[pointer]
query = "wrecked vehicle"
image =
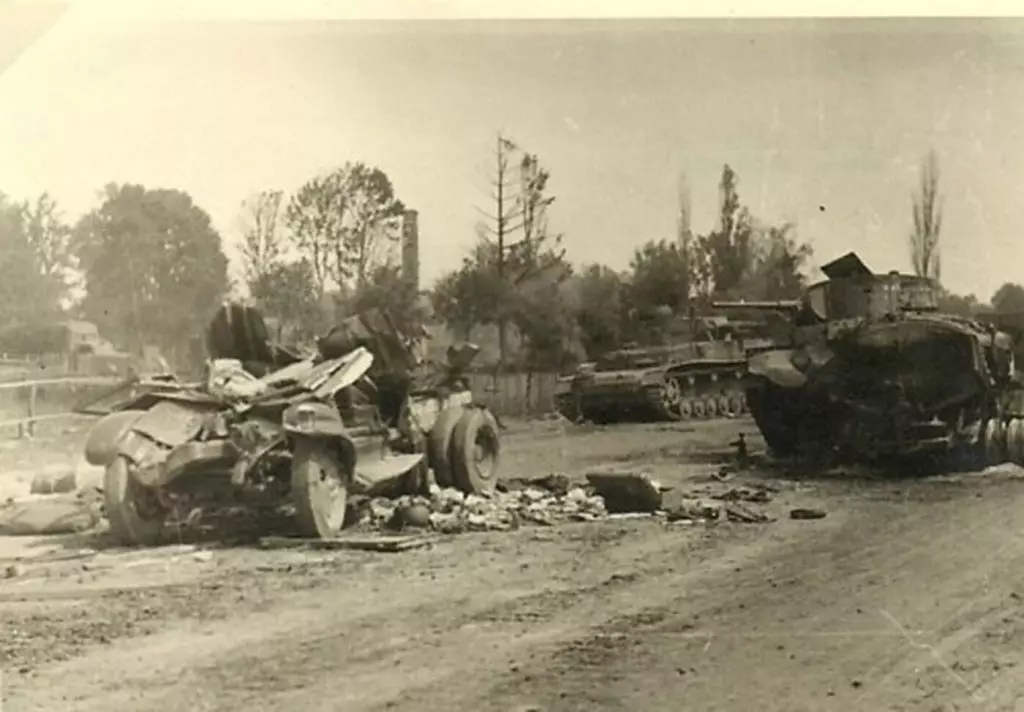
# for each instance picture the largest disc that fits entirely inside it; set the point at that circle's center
(360, 416)
(699, 376)
(868, 368)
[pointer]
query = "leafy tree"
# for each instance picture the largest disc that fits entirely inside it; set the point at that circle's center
(963, 305)
(658, 278)
(927, 215)
(343, 223)
(386, 289)
(34, 260)
(261, 236)
(153, 264)
(731, 248)
(287, 292)
(600, 309)
(1009, 298)
(778, 266)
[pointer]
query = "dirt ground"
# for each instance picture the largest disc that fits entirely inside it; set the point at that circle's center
(908, 595)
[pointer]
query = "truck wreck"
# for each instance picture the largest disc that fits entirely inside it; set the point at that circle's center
(867, 368)
(363, 415)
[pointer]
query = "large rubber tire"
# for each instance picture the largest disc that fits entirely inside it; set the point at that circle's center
(439, 446)
(476, 452)
(135, 517)
(319, 488)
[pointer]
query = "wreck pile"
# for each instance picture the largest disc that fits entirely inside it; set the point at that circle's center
(450, 511)
(553, 499)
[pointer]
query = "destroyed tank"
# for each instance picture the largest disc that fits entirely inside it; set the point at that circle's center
(699, 377)
(868, 368)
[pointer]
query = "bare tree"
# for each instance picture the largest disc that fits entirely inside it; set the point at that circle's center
(261, 246)
(927, 212)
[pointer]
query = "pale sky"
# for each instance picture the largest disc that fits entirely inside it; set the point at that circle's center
(824, 121)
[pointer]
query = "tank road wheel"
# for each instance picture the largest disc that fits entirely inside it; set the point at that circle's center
(319, 488)
(698, 408)
(736, 404)
(710, 408)
(135, 514)
(1015, 441)
(439, 446)
(476, 450)
(994, 444)
(670, 396)
(686, 409)
(724, 407)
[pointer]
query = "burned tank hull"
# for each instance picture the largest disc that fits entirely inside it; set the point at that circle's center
(695, 380)
(873, 372)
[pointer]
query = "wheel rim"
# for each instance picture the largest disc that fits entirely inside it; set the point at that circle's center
(686, 409)
(671, 394)
(698, 409)
(331, 496)
(484, 454)
(736, 405)
(723, 405)
(710, 408)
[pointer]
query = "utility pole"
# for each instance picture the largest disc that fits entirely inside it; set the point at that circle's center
(502, 165)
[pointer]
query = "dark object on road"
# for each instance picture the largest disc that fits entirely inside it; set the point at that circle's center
(805, 513)
(867, 368)
(626, 491)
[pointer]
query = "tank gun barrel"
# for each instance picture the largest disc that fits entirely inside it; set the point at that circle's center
(783, 305)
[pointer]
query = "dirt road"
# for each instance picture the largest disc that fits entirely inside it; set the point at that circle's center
(907, 596)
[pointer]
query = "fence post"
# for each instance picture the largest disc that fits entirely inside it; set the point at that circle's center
(32, 410)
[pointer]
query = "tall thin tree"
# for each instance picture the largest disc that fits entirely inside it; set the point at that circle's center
(927, 206)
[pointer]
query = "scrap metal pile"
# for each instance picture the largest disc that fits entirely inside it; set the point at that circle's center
(360, 416)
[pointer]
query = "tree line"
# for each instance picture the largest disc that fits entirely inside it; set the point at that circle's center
(147, 265)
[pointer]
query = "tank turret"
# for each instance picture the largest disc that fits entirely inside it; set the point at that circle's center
(871, 368)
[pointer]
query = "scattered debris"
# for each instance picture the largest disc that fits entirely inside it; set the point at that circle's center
(376, 542)
(693, 510)
(736, 512)
(806, 513)
(745, 494)
(450, 511)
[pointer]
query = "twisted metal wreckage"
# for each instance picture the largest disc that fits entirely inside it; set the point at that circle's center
(362, 415)
(866, 367)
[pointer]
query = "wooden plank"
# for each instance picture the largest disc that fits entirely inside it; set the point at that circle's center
(370, 542)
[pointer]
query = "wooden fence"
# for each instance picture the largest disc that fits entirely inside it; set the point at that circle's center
(26, 402)
(516, 394)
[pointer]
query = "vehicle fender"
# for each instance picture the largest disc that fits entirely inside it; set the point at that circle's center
(314, 420)
(101, 446)
(777, 366)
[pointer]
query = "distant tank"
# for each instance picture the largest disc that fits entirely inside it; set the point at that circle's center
(867, 368)
(698, 376)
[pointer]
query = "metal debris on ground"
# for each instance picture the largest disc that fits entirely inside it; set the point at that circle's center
(806, 513)
(449, 511)
(375, 542)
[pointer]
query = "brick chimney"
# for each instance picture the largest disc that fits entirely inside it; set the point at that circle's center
(411, 248)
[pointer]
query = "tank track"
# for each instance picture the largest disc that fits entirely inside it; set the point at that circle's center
(685, 395)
